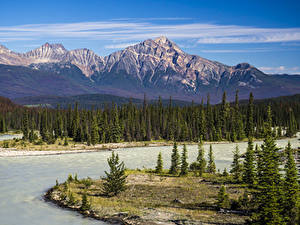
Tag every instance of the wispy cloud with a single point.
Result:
(236, 50)
(119, 46)
(133, 30)
(281, 70)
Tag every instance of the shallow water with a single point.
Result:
(10, 136)
(23, 180)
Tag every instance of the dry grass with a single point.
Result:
(152, 198)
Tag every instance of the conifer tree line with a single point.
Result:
(129, 122)
(275, 193)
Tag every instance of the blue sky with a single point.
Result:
(264, 33)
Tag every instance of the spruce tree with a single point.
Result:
(269, 192)
(201, 159)
(115, 127)
(184, 163)
(292, 125)
(224, 115)
(115, 180)
(94, 131)
(85, 204)
(249, 166)
(225, 173)
(223, 198)
(250, 112)
(159, 165)
(2, 125)
(236, 166)
(25, 127)
(290, 189)
(174, 169)
(211, 167)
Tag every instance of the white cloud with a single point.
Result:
(117, 46)
(281, 70)
(139, 29)
(236, 50)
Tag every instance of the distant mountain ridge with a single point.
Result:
(156, 67)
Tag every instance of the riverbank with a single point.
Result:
(28, 149)
(24, 148)
(152, 199)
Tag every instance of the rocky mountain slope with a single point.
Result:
(155, 67)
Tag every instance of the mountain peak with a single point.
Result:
(243, 66)
(3, 49)
(163, 40)
(53, 46)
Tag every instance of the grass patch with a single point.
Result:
(161, 198)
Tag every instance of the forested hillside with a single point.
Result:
(130, 122)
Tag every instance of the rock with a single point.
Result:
(177, 201)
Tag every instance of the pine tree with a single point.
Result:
(224, 115)
(2, 125)
(115, 127)
(225, 173)
(290, 189)
(201, 159)
(184, 163)
(94, 131)
(236, 166)
(223, 198)
(211, 167)
(292, 125)
(174, 169)
(250, 112)
(249, 166)
(115, 181)
(85, 204)
(75, 121)
(269, 192)
(159, 165)
(25, 127)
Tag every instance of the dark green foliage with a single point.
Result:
(292, 124)
(250, 115)
(201, 159)
(245, 201)
(174, 169)
(211, 167)
(184, 163)
(225, 173)
(85, 204)
(249, 166)
(94, 131)
(159, 165)
(223, 198)
(25, 126)
(155, 121)
(71, 199)
(115, 180)
(70, 178)
(2, 125)
(269, 195)
(66, 142)
(290, 189)
(236, 166)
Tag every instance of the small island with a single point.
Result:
(184, 194)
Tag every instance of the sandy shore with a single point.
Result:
(15, 153)
(82, 148)
(78, 148)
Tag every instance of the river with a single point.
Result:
(23, 180)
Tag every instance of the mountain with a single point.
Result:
(155, 67)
